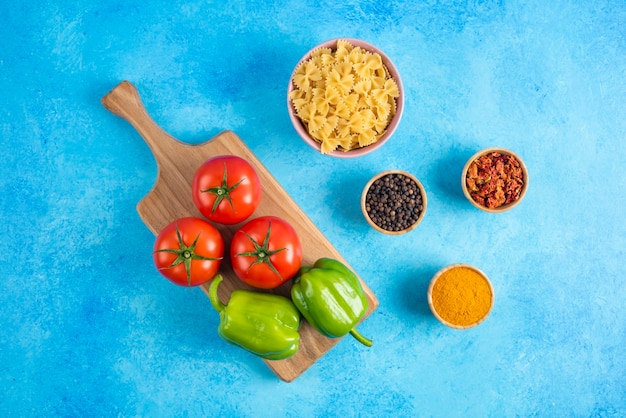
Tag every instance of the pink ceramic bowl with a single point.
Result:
(393, 124)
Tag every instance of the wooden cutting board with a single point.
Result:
(170, 199)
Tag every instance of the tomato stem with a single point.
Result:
(262, 252)
(185, 254)
(222, 192)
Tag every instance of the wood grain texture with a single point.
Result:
(170, 199)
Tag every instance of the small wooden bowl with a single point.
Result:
(393, 124)
(431, 301)
(383, 174)
(502, 208)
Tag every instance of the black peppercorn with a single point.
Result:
(394, 202)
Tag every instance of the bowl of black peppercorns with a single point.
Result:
(393, 202)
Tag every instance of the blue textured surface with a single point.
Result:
(89, 328)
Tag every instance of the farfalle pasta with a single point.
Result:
(345, 97)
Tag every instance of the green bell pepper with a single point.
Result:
(262, 323)
(331, 298)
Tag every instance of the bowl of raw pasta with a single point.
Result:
(345, 98)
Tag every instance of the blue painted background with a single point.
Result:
(89, 328)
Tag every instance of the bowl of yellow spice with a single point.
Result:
(460, 296)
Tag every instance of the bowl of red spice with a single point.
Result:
(394, 202)
(345, 98)
(460, 296)
(495, 180)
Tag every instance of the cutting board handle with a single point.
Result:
(124, 101)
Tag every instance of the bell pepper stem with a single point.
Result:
(363, 340)
(215, 300)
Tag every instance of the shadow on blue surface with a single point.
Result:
(347, 202)
(412, 291)
(447, 173)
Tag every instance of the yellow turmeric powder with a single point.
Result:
(462, 296)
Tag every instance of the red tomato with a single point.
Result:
(266, 252)
(189, 251)
(226, 189)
